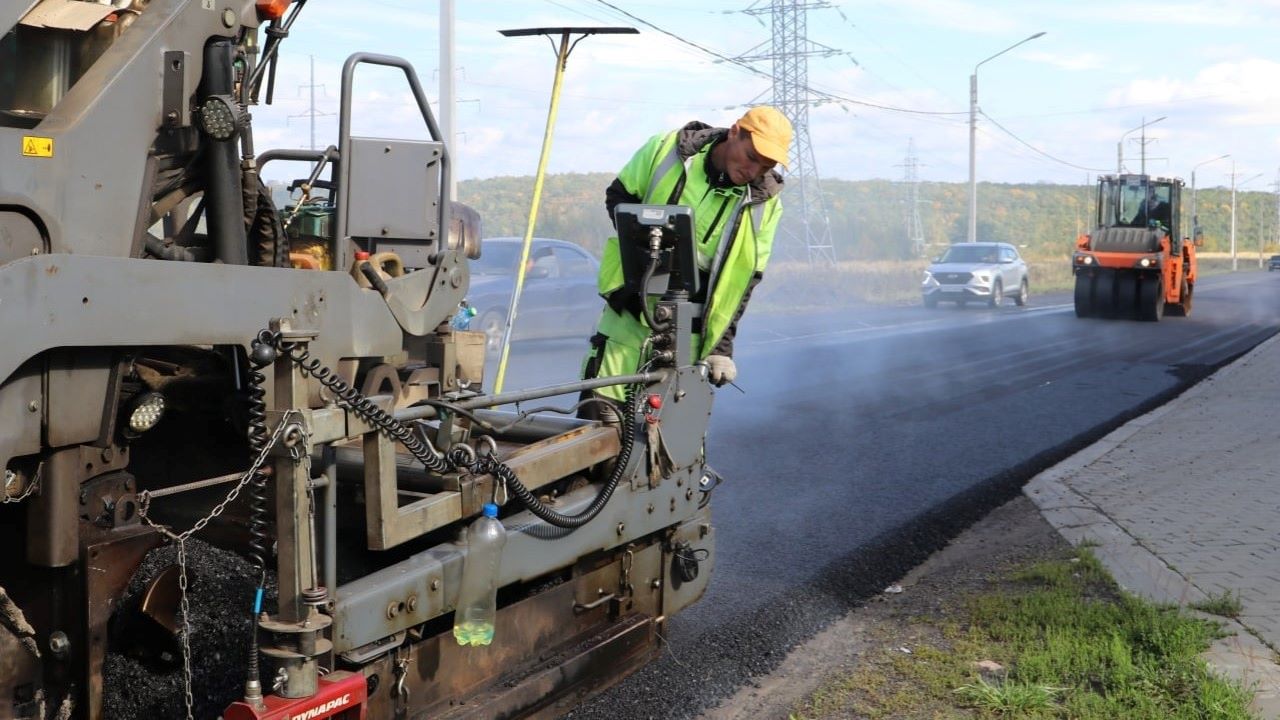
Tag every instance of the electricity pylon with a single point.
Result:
(805, 221)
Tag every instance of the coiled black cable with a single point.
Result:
(262, 353)
(685, 561)
(492, 466)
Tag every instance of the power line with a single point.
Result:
(828, 96)
(1011, 134)
(576, 96)
(579, 11)
(1132, 106)
(870, 37)
(1002, 143)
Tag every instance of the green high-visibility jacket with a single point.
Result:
(653, 175)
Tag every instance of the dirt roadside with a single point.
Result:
(1012, 534)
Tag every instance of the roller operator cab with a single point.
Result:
(243, 445)
(1136, 263)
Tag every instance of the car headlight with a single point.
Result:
(927, 277)
(982, 277)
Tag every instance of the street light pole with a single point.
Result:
(973, 137)
(1261, 242)
(1234, 261)
(448, 107)
(972, 234)
(1195, 220)
(1233, 215)
(1120, 145)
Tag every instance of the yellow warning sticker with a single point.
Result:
(33, 146)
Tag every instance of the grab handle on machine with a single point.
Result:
(583, 607)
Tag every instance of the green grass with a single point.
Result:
(1226, 605)
(1072, 646)
(1009, 698)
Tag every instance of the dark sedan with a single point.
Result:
(559, 298)
(1273, 263)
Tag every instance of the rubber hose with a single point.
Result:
(535, 506)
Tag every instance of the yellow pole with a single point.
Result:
(562, 58)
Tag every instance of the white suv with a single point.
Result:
(976, 271)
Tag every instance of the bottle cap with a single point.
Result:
(362, 255)
(490, 510)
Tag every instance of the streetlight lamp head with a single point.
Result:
(1039, 34)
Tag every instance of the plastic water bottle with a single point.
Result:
(478, 596)
(462, 318)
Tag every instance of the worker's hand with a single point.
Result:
(721, 370)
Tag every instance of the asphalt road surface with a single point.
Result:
(863, 439)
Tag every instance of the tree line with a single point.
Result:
(869, 218)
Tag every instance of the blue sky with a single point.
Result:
(1103, 67)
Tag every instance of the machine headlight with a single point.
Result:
(146, 411)
(220, 117)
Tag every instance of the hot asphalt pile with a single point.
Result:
(143, 677)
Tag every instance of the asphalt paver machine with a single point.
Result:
(241, 443)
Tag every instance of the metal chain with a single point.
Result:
(32, 487)
(401, 673)
(300, 451)
(144, 508)
(624, 583)
(186, 628)
(144, 497)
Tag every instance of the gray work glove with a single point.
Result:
(721, 370)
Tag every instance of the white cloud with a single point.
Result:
(1239, 94)
(1224, 52)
